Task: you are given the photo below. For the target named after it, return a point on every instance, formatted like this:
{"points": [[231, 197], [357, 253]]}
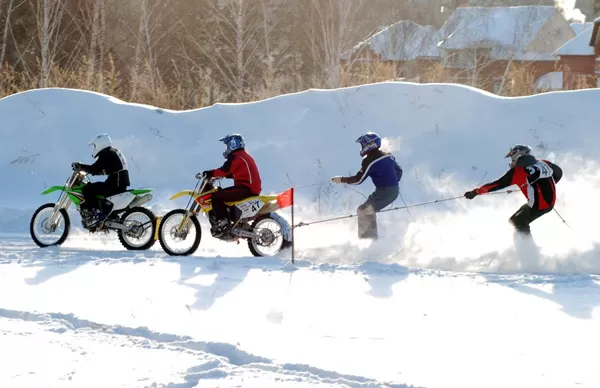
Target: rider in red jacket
{"points": [[240, 167], [537, 180]]}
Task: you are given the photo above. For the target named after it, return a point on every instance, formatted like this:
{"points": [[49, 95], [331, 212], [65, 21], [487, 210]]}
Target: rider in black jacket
{"points": [[110, 161]]}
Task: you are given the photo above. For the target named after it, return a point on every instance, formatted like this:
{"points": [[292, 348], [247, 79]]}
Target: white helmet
{"points": [[100, 142]]}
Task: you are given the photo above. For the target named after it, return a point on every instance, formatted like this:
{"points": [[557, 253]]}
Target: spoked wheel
{"points": [[141, 227], [270, 236], [178, 241], [44, 233]]}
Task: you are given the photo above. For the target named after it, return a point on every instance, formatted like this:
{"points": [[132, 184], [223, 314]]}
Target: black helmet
{"points": [[517, 151]]}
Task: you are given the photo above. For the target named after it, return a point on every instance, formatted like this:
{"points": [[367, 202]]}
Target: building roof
{"points": [[580, 44], [402, 41], [579, 27], [507, 31]]}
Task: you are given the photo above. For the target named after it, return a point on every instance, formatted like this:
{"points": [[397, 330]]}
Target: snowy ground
{"points": [[82, 317], [446, 299]]}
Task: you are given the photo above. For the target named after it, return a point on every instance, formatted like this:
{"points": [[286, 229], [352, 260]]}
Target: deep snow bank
{"points": [[448, 138]]}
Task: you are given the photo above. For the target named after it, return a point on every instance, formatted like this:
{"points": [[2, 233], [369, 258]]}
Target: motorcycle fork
{"points": [[185, 221], [64, 201]]}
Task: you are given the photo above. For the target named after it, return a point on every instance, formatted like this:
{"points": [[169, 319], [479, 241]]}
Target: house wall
{"points": [[489, 74], [429, 70], [595, 39], [578, 71]]}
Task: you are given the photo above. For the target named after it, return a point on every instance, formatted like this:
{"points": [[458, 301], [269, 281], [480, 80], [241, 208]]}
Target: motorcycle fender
{"points": [[53, 189], [182, 193]]}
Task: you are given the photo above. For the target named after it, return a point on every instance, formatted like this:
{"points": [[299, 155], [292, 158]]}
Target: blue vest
{"points": [[383, 171]]}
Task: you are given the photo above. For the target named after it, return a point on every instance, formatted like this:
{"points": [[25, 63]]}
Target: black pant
{"points": [[525, 216], [229, 194], [91, 190], [367, 216]]}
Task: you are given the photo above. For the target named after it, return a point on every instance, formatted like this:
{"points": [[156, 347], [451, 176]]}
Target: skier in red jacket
{"points": [[240, 167], [537, 180]]}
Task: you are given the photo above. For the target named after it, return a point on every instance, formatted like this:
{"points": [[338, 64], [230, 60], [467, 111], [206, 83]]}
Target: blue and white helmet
{"points": [[369, 141], [234, 141]]}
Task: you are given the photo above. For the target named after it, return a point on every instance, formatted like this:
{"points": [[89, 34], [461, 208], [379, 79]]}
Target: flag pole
{"points": [[293, 227]]}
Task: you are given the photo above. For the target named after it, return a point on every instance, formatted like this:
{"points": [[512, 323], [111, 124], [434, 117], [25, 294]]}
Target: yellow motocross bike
{"points": [[254, 219]]}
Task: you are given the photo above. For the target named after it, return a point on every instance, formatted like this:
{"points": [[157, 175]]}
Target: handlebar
{"points": [[211, 179], [74, 167]]}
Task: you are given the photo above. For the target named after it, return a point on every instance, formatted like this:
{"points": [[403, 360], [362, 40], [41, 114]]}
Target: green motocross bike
{"points": [[50, 223]]}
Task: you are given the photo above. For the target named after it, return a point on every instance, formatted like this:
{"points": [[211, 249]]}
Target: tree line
{"points": [[185, 54]]}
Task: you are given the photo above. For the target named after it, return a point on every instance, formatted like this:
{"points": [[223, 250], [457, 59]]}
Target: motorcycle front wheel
{"points": [[45, 234], [176, 242]]}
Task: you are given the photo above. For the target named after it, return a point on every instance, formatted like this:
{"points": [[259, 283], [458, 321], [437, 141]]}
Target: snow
{"points": [[402, 41], [448, 297], [506, 30], [580, 44], [220, 322], [578, 28]]}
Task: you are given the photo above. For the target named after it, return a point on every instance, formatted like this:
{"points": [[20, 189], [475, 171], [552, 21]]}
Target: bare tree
{"points": [[94, 40], [331, 33], [49, 15], [277, 56], [232, 44], [101, 39], [7, 15], [155, 25]]}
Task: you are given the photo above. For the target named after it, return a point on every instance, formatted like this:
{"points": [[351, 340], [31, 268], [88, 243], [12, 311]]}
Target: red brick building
{"points": [[595, 43], [477, 45], [577, 59]]}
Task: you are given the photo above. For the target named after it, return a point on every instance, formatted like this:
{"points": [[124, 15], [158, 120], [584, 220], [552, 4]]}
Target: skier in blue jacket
{"points": [[385, 173]]}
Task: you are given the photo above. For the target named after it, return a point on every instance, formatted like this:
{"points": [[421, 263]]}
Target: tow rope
{"points": [[394, 209]]}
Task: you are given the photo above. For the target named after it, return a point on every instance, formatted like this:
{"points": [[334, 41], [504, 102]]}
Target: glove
{"points": [[336, 179], [471, 194], [75, 166], [204, 174]]}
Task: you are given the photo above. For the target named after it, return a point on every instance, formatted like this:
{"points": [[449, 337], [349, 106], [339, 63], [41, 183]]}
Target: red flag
{"points": [[286, 198]]}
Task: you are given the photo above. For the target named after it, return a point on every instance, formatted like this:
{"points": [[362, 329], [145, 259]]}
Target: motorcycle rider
{"points": [[111, 162], [385, 173], [239, 166], [537, 180]]}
